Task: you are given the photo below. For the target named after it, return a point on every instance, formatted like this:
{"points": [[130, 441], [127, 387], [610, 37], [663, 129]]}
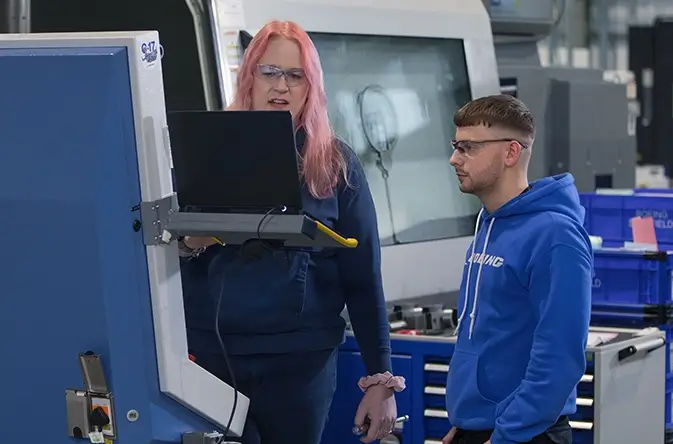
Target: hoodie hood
{"points": [[556, 195]]}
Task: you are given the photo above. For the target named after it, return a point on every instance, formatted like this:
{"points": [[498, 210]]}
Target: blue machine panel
{"points": [[74, 272]]}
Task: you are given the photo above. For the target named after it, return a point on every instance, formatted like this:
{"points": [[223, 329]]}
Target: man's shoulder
{"points": [[557, 229]]}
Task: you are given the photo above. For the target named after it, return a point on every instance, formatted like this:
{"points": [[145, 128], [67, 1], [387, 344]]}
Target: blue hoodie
{"points": [[525, 304], [291, 301]]}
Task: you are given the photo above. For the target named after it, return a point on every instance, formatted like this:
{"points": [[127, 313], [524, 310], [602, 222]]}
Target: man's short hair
{"points": [[502, 111]]}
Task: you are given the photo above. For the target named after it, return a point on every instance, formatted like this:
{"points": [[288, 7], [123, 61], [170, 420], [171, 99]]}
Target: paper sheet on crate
{"points": [[643, 231]]}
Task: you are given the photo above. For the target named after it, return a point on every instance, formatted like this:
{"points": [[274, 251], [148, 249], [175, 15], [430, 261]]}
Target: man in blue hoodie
{"points": [[525, 298]]}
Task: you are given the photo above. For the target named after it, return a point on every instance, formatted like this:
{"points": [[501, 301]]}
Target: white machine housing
{"points": [[179, 378], [409, 269]]}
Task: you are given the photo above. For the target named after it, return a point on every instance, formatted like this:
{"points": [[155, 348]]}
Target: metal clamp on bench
{"points": [[162, 223]]}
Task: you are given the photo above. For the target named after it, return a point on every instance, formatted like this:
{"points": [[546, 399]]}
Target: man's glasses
{"points": [[272, 75], [468, 146]]}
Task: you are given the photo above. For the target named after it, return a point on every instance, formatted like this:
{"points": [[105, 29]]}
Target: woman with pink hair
{"points": [[280, 322]]}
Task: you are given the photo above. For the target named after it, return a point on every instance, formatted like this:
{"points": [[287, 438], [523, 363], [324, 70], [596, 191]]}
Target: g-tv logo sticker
{"points": [[149, 53]]}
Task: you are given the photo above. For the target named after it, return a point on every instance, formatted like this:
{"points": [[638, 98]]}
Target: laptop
{"points": [[235, 161]]}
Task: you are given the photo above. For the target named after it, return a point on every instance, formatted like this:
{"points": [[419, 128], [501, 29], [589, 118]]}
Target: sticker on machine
{"points": [[150, 53]]}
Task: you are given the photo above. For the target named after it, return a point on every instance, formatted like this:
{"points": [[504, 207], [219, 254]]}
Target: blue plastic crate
{"points": [[631, 278], [609, 216]]}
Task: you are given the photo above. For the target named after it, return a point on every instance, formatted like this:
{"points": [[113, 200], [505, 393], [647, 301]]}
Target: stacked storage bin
{"points": [[609, 216], [633, 289]]}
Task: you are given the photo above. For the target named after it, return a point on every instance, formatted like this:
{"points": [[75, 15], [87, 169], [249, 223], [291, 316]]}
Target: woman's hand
{"points": [[197, 243], [378, 405]]}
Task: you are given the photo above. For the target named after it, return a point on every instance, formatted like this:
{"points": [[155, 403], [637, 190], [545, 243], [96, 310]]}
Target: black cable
{"points": [[281, 208], [226, 361], [263, 242], [219, 335]]}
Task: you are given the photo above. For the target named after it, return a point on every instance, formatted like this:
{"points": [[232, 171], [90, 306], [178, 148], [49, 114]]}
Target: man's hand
{"points": [[448, 439], [488, 442]]}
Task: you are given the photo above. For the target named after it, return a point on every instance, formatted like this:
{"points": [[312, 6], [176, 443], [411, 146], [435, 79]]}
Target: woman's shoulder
{"points": [[351, 160]]}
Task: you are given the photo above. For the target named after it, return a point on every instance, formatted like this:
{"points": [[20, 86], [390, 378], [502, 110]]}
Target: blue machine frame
{"points": [[84, 142]]}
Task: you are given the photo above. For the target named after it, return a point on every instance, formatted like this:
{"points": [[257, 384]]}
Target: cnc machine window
{"points": [[393, 99]]}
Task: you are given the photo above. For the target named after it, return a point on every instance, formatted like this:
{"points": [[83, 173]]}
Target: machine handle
{"points": [[347, 242], [647, 347]]}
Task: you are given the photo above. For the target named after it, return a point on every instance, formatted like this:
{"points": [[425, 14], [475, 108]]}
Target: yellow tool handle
{"points": [[346, 242]]}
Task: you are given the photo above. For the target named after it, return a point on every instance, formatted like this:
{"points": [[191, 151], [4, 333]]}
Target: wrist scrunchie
{"points": [[396, 383]]}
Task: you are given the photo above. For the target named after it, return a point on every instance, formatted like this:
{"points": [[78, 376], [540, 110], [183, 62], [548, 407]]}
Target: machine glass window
{"points": [[392, 99]]}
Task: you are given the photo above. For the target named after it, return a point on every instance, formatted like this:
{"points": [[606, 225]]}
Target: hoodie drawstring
{"points": [[473, 313]]}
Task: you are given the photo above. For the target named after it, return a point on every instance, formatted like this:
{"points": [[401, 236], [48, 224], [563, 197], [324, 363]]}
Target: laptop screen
{"points": [[235, 161]]}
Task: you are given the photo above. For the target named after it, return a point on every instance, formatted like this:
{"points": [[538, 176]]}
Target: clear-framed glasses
{"points": [[272, 75], [469, 146]]}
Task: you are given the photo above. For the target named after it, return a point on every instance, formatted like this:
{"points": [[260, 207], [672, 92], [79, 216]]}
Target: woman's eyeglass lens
{"points": [[273, 74]]}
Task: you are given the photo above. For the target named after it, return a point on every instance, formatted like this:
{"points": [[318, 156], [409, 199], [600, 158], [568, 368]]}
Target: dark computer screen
{"points": [[223, 162]]}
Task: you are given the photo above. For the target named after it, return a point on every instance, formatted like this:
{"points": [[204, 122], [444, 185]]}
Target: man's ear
{"points": [[514, 153]]}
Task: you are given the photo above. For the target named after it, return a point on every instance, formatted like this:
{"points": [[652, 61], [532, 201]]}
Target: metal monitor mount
{"points": [[162, 222]]}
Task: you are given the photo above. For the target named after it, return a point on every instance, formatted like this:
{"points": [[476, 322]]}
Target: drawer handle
{"points": [[580, 425], [585, 402], [435, 413], [587, 378], [433, 390], [441, 368]]}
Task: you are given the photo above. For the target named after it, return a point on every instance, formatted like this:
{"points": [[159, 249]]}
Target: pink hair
{"points": [[323, 164]]}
